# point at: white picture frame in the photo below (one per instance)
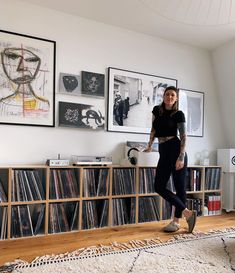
(192, 104)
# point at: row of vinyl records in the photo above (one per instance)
(23, 221)
(3, 196)
(95, 182)
(64, 183)
(29, 220)
(193, 179)
(123, 181)
(27, 185)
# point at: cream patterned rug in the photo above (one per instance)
(189, 253)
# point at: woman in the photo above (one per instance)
(167, 122)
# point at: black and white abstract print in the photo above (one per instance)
(81, 115)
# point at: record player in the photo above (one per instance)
(91, 160)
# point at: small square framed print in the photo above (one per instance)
(92, 84)
(69, 84)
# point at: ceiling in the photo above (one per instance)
(202, 23)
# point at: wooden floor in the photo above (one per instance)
(28, 249)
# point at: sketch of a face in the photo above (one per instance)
(20, 65)
(93, 84)
(70, 83)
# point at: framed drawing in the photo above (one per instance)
(81, 115)
(92, 84)
(27, 80)
(192, 104)
(131, 98)
(69, 84)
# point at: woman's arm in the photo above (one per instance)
(182, 130)
(151, 137)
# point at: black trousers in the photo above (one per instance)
(169, 152)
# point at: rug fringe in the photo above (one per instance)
(106, 249)
(198, 234)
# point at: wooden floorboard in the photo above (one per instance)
(29, 248)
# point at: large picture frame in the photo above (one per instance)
(27, 80)
(192, 104)
(131, 98)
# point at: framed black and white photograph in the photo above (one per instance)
(92, 84)
(192, 104)
(69, 84)
(81, 115)
(131, 98)
(27, 80)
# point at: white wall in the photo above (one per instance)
(87, 45)
(224, 67)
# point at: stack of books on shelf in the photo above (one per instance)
(212, 179)
(213, 203)
(195, 204)
(193, 179)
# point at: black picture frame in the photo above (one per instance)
(192, 104)
(27, 80)
(132, 96)
(83, 116)
(92, 84)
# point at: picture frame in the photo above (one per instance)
(69, 84)
(27, 80)
(83, 116)
(92, 84)
(192, 104)
(131, 98)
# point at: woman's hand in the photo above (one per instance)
(179, 164)
(147, 149)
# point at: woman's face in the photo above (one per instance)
(169, 98)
